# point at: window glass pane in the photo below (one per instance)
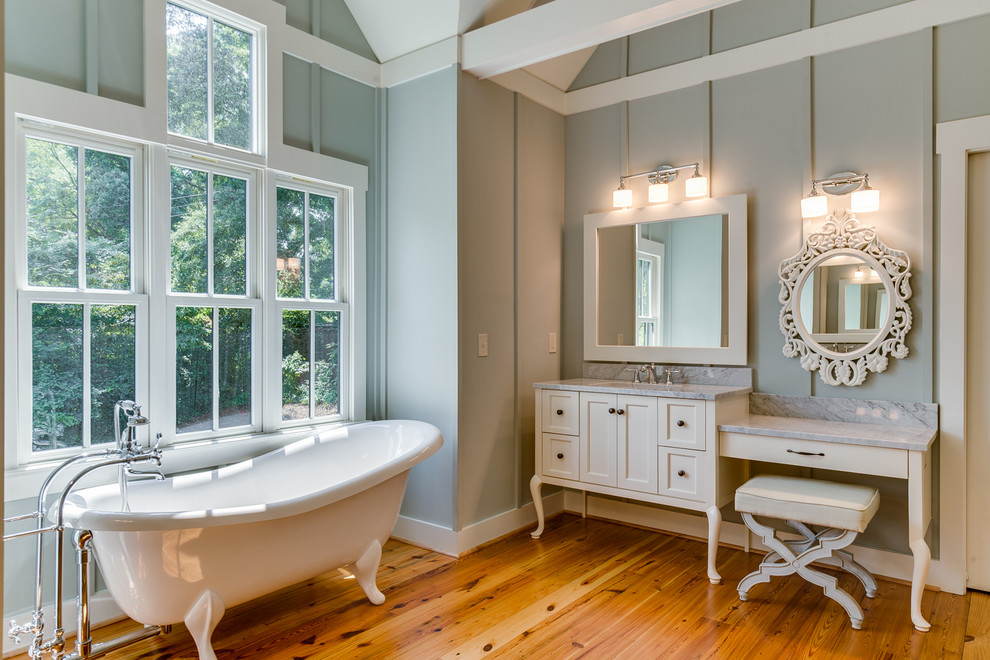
(295, 364)
(321, 283)
(231, 86)
(52, 197)
(187, 70)
(290, 243)
(234, 346)
(112, 365)
(326, 364)
(229, 227)
(108, 220)
(193, 369)
(57, 376)
(189, 259)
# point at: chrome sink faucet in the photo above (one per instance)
(651, 373)
(668, 372)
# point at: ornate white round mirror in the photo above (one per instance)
(844, 302)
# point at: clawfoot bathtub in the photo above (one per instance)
(193, 545)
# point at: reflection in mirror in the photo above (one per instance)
(667, 283)
(663, 283)
(843, 303)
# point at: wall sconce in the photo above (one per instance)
(864, 198)
(696, 186)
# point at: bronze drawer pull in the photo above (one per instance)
(560, 455)
(680, 473)
(806, 453)
(620, 411)
(560, 412)
(680, 422)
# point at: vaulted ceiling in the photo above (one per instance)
(550, 39)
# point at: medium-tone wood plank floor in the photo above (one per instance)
(587, 589)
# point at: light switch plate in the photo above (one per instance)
(483, 345)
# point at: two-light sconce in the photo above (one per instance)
(660, 178)
(864, 198)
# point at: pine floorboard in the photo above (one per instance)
(587, 589)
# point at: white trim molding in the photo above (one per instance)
(954, 141)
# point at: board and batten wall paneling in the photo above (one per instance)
(486, 452)
(421, 340)
(594, 160)
(961, 52)
(539, 254)
(759, 148)
(869, 115)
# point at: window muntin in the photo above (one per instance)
(79, 215)
(306, 235)
(209, 229)
(211, 74)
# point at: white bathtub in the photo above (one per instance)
(193, 545)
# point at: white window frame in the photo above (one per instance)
(343, 255)
(27, 295)
(258, 87)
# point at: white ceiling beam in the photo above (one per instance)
(564, 26)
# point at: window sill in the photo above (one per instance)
(24, 482)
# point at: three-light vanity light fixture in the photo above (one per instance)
(695, 186)
(864, 198)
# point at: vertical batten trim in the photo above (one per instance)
(92, 39)
(314, 106)
(927, 185)
(808, 97)
(314, 18)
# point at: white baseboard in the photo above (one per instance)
(882, 563)
(447, 541)
(102, 610)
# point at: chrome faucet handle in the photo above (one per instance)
(668, 372)
(636, 372)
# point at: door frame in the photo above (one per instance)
(954, 141)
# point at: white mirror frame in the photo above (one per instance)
(735, 352)
(842, 234)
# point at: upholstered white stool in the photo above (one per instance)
(843, 510)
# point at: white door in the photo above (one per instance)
(978, 372)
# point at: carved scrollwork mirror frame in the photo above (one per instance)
(842, 234)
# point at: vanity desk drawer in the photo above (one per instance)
(560, 456)
(560, 411)
(863, 459)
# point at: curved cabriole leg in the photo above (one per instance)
(714, 526)
(534, 487)
(922, 560)
(202, 618)
(365, 571)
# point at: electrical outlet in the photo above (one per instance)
(483, 345)
(620, 339)
(553, 342)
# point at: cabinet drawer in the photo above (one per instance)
(883, 461)
(560, 412)
(682, 423)
(682, 474)
(560, 456)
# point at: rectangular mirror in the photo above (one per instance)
(667, 283)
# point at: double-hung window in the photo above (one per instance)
(82, 312)
(308, 289)
(213, 296)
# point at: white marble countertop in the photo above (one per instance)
(675, 391)
(914, 438)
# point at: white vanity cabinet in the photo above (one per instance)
(651, 443)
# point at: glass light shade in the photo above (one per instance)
(696, 186)
(658, 192)
(814, 206)
(865, 201)
(622, 198)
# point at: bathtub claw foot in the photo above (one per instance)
(202, 619)
(365, 571)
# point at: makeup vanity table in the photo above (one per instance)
(900, 452)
